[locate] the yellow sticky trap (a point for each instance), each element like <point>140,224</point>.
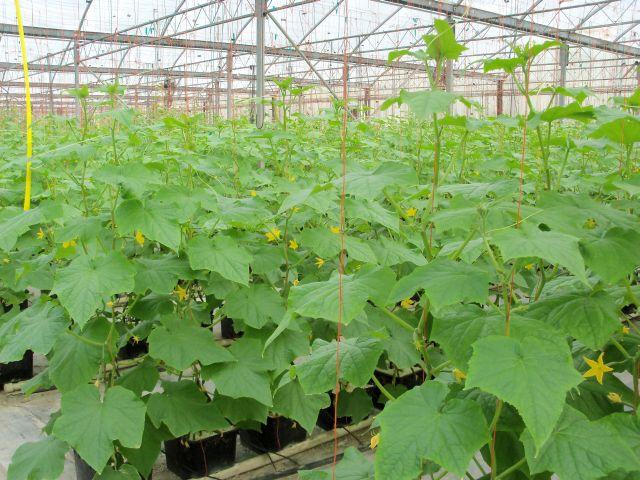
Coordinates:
<point>27,88</point>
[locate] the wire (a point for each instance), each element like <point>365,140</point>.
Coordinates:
<point>25,69</point>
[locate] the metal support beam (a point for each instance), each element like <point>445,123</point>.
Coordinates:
<point>532,28</point>
<point>563,60</point>
<point>260,14</point>
<point>499,96</point>
<point>76,72</point>
<point>230,83</point>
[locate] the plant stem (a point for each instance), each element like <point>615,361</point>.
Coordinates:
<point>383,390</point>
<point>397,319</point>
<point>511,469</point>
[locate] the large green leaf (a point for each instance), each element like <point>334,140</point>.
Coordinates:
<point>590,317</point>
<point>370,185</point>
<point>353,466</point>
<point>425,103</point>
<point>75,361</point>
<point>37,328</point>
<point>160,274</point>
<point>256,305</point>
<point>291,401</point>
<point>444,282</point>
<point>423,424</point>
<point>222,255</point>
<point>553,247</point>
<point>155,220</point>
<point>180,344</point>
<point>580,449</point>
<point>443,45</point>
<point>320,299</point>
<point>532,373</point>
<point>91,423</point>
<point>357,359</point>
<point>87,283</point>
<point>241,379</point>
<point>613,255</point>
<point>183,408</point>
<point>41,460</point>
<point>14,222</point>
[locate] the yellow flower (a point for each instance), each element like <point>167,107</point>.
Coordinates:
<point>319,262</point>
<point>97,383</point>
<point>136,339</point>
<point>597,369</point>
<point>296,209</point>
<point>253,193</point>
<point>139,237</point>
<point>529,266</point>
<point>459,375</point>
<point>69,243</point>
<point>273,235</point>
<point>5,260</point>
<point>590,223</point>
<point>40,234</point>
<point>292,178</point>
<point>407,303</point>
<point>296,282</point>
<point>109,304</point>
<point>335,230</point>
<point>625,329</point>
<point>614,397</point>
<point>181,293</point>
<point>293,245</point>
<point>374,441</point>
<point>411,212</point>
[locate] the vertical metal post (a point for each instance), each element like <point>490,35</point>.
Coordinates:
<point>230,83</point>
<point>499,96</point>
<point>637,67</point>
<point>260,15</point>
<point>367,101</point>
<point>216,89</point>
<point>76,72</point>
<point>51,109</point>
<point>564,62</point>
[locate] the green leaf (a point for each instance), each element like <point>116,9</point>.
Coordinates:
<point>426,103</point>
<point>91,424</point>
<point>87,283</point>
<point>256,305</point>
<point>531,373</point>
<point>37,328</point>
<point>222,255</point>
<point>160,274</point>
<point>443,45</point>
<point>184,409</point>
<point>390,252</point>
<point>423,424</point>
<point>145,457</point>
<point>180,344</point>
<point>578,448</point>
<point>247,376</point>
<point>358,359</point>
<point>614,255</point>
<point>291,401</point>
<point>353,466</point>
<point>555,248</point>
<point>73,361</point>
<point>370,185</point>
<point>372,212</point>
<point>356,404</point>
<point>320,299</point>
<point>444,282</point>
<point>157,221</point>
<point>590,317</point>
<point>14,222</point>
<point>321,241</point>
<point>41,460</point>
<point>142,378</point>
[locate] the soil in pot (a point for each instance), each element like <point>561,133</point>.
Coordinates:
<point>326,415</point>
<point>133,349</point>
<point>275,435</point>
<point>198,458</point>
<point>16,371</point>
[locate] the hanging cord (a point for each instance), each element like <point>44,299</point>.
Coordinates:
<point>27,88</point>
<point>343,157</point>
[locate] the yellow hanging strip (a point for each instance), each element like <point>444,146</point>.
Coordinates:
<point>25,69</point>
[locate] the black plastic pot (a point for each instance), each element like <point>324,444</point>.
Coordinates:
<point>275,435</point>
<point>133,349</point>
<point>83,470</point>
<point>227,330</point>
<point>198,458</point>
<point>16,371</point>
<point>326,416</point>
